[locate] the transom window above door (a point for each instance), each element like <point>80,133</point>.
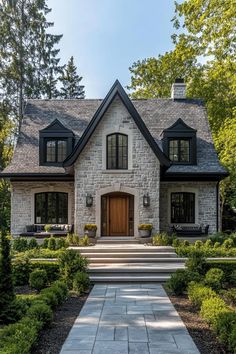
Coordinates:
<point>117,151</point>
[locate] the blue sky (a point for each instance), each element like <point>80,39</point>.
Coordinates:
<point>107,36</point>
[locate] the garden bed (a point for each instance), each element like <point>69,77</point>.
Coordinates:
<point>51,339</point>
<point>199,330</point>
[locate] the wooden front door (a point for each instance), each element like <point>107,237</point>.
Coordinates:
<point>117,215</point>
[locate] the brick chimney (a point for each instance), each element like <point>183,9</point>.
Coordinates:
<point>178,90</point>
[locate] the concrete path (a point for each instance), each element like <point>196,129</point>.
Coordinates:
<point>128,319</point>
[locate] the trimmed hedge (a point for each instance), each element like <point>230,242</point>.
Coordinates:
<point>211,309</point>
<point>197,293</point>
<point>227,266</point>
<point>21,336</point>
<point>179,280</point>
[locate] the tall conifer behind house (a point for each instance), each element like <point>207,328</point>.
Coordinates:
<point>70,80</point>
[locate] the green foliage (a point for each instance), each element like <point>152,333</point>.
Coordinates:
<point>21,269</point>
<point>207,251</point>
<point>176,242</point>
<point>33,243</point>
<point>38,279</point>
<point>227,266</point>
<point>216,244</point>
<point>179,280</point>
<point>230,296</point>
<point>45,243</point>
<point>218,237</point>
<point>40,253</point>
<point>81,282</point>
<point>208,243</point>
<point>48,296</point>
<point>6,283</point>
<point>47,227</point>
<point>196,262</point>
<point>162,239</point>
<point>75,240</point>
<point>20,244</point>
<point>70,262</point>
<point>70,80</point>
<point>40,312</point>
<point>214,278</point>
<point>51,268</point>
<point>186,243</point>
<point>19,337</point>
<point>224,325</point>
<point>197,293</point>
<point>211,308</point>
<point>84,241</point>
<point>227,244</point>
<point>198,244</point>
<point>232,340</point>
<point>61,243</point>
<point>52,243</point>
<point>232,278</point>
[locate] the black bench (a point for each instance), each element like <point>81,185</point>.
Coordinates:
<point>190,230</point>
<point>57,230</point>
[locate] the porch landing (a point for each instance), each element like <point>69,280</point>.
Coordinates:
<point>131,262</point>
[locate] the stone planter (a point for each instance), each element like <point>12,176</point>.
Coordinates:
<point>90,233</point>
<point>144,233</point>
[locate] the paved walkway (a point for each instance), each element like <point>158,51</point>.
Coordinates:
<point>128,319</point>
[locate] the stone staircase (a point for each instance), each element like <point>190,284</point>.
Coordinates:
<point>125,260</point>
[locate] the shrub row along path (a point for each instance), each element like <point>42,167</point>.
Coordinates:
<point>128,319</point>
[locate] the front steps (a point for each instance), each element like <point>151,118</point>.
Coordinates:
<point>128,261</point>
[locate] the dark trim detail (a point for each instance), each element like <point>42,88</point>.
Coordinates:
<point>187,206</point>
<point>217,206</point>
<point>56,210</point>
<point>195,176</point>
<point>37,176</point>
<point>116,89</point>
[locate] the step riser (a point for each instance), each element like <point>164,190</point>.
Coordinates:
<point>128,256</point>
<point>124,251</point>
<point>134,260</point>
<point>95,280</point>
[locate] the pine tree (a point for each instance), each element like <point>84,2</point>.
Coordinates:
<point>27,53</point>
<point>71,82</point>
<point>7,294</point>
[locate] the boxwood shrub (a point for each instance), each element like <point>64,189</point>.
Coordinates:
<point>197,293</point>
<point>211,308</point>
<point>41,312</point>
<point>214,278</point>
<point>38,279</point>
<point>179,280</point>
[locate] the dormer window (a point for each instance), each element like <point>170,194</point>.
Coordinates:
<point>179,150</point>
<point>179,143</point>
<point>55,144</point>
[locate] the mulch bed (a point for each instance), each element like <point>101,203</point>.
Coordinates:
<point>204,338</point>
<point>51,339</point>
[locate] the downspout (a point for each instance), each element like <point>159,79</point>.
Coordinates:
<point>217,206</point>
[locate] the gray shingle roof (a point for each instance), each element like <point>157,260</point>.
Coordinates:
<point>157,114</point>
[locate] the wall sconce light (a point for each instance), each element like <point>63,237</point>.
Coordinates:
<point>89,200</point>
<point>146,200</point>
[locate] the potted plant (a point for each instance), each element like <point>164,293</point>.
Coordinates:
<point>47,228</point>
<point>90,230</point>
<point>145,230</point>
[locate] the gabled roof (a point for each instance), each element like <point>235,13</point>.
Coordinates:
<point>76,115</point>
<point>54,127</point>
<point>116,89</point>
<point>180,126</point>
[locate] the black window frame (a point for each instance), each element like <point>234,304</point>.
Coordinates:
<point>46,207</point>
<point>187,206</point>
<point>179,161</point>
<point>117,152</point>
<point>46,140</point>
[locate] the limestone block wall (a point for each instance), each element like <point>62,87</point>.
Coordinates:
<point>22,202</point>
<point>91,176</point>
<point>205,206</point>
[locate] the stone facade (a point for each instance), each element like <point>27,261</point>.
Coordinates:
<point>142,176</point>
<point>22,202</point>
<point>205,202</point>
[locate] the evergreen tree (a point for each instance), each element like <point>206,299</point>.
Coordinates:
<point>7,294</point>
<point>27,53</point>
<point>71,87</point>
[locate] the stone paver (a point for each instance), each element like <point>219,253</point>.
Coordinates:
<point>128,319</point>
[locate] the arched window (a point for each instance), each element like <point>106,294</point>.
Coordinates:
<point>117,152</point>
<point>182,207</point>
<point>51,208</point>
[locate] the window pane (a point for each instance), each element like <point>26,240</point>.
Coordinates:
<point>173,150</point>
<point>62,208</point>
<point>40,208</point>
<point>117,151</point>
<point>111,151</point>
<point>61,150</point>
<point>184,150</point>
<point>52,208</point>
<point>51,151</point>
<point>182,207</point>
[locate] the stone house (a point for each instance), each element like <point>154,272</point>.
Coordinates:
<point>116,163</point>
